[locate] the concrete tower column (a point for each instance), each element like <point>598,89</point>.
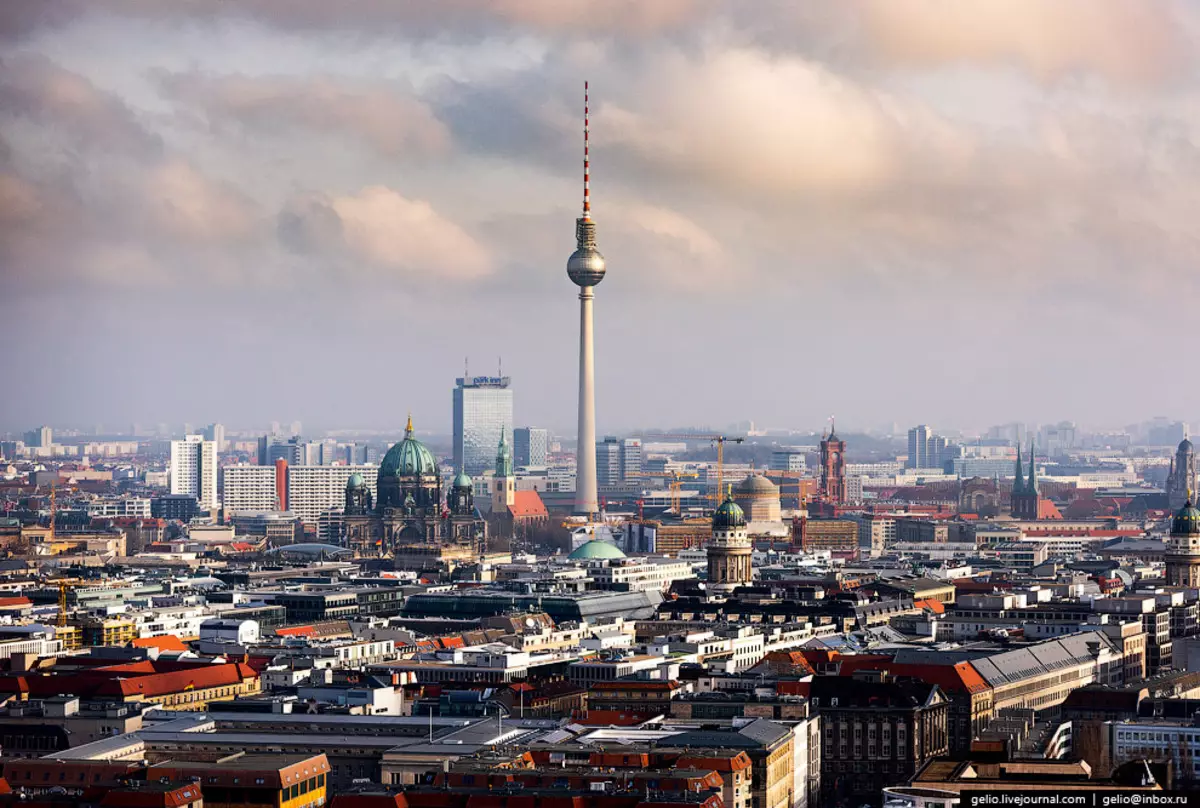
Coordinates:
<point>586,499</point>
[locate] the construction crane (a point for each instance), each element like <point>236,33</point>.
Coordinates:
<point>716,440</point>
<point>674,483</point>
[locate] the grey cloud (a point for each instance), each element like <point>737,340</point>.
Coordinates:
<point>33,87</point>
<point>387,117</point>
<point>445,19</point>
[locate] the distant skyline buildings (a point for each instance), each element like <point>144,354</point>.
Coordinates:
<point>530,445</point>
<point>482,408</point>
<point>193,469</point>
<point>925,449</point>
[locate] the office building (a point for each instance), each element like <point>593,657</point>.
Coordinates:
<point>272,448</point>
<point>216,434</point>
<point>529,446</point>
<point>618,460</point>
<point>249,489</point>
<point>194,469</point>
<point>173,506</point>
<point>483,408</point>
<point>927,450</point>
<point>631,458</point>
<point>793,460</point>
<point>608,462</point>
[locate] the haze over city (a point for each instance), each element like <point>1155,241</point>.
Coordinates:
<point>895,212</point>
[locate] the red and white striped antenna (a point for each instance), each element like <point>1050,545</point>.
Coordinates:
<point>587,190</point>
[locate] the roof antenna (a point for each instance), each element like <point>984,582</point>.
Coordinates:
<point>467,369</point>
<point>500,366</point>
<point>587,190</point>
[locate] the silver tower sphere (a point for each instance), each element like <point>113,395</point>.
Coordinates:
<point>586,265</point>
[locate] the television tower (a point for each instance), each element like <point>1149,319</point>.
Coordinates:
<point>586,268</point>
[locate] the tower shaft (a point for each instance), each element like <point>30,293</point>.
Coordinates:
<point>586,499</point>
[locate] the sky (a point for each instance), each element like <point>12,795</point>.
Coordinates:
<point>954,213</point>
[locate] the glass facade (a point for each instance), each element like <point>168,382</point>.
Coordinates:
<point>529,446</point>
<point>483,405</point>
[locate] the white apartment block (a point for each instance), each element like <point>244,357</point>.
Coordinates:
<point>248,489</point>
<point>312,490</point>
<point>194,469</point>
<point>138,507</point>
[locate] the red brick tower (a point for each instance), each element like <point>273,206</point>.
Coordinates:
<point>833,467</point>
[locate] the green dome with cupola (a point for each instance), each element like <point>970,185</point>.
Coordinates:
<point>408,458</point>
<point>1186,521</point>
<point>729,515</point>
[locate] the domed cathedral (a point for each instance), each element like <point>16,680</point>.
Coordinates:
<point>730,553</point>
<point>410,510</point>
<point>1183,548</point>
<point>759,499</point>
<point>1182,479</point>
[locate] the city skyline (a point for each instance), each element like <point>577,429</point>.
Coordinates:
<point>821,184</point>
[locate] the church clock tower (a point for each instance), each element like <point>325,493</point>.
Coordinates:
<point>504,484</point>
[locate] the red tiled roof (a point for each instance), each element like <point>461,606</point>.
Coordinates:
<point>935,606</point>
<point>527,504</point>
<point>18,602</point>
<point>296,631</point>
<point>163,642</point>
<point>452,642</point>
<point>162,684</point>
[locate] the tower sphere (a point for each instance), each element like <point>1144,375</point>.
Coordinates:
<point>586,266</point>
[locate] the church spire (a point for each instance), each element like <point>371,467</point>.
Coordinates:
<point>1019,474</point>
<point>504,460</point>
<point>1033,485</point>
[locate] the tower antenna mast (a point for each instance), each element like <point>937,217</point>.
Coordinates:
<point>587,189</point>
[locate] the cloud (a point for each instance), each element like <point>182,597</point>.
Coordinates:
<point>186,205</point>
<point>1125,41</point>
<point>383,230</point>
<point>386,116</point>
<point>447,19</point>
<point>35,88</point>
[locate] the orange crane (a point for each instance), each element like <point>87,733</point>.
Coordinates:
<point>718,440</point>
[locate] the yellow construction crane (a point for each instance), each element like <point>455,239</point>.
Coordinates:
<point>674,480</point>
<point>718,440</point>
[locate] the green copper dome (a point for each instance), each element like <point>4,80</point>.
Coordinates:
<point>596,549</point>
<point>356,481</point>
<point>408,458</point>
<point>463,481</point>
<point>729,516</point>
<point>1186,521</point>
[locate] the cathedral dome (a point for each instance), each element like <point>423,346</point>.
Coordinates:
<point>408,458</point>
<point>757,485</point>
<point>596,549</point>
<point>1185,445</point>
<point>729,516</point>
<point>356,481</point>
<point>1186,521</point>
<point>463,481</point>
